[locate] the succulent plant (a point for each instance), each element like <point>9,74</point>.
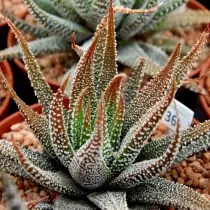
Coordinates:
<point>96,148</point>
<point>60,18</point>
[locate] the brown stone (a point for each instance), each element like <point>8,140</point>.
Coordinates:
<point>207,166</point>
<point>204,182</point>
<point>206,157</point>
<point>196,166</point>
<point>174,173</point>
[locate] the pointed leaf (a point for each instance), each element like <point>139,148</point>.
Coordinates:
<point>59,136</point>
<point>9,160</point>
<point>185,64</point>
<point>88,167</point>
<point>133,84</point>
<point>83,76</point>
<point>168,193</point>
<point>37,122</point>
<point>166,8</point>
<point>195,137</point>
<point>152,92</point>
<point>77,119</point>
<point>75,47</point>
<point>35,31</point>
<point>115,126</point>
<point>111,95</point>
<point>55,24</point>
<point>48,45</point>
<point>186,19</point>
<point>105,67</point>
<point>133,24</point>
<point>56,181</point>
<point>148,169</point>
<point>109,200</point>
<point>42,89</point>
<point>139,134</point>
<point>86,126</point>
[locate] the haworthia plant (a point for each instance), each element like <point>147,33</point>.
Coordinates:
<point>60,18</point>
<point>97,153</point>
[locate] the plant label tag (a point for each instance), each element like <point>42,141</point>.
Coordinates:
<point>170,116</point>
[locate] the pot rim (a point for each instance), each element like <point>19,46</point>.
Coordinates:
<point>15,118</point>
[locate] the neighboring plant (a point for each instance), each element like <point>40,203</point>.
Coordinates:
<point>60,18</point>
<point>97,152</point>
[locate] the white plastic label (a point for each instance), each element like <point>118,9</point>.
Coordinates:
<point>184,113</point>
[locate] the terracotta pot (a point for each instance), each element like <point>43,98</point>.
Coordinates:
<point>203,99</point>
<point>11,41</point>
<point>8,73</point>
<point>193,4</point>
<point>15,118</point>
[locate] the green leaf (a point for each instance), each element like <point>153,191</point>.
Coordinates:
<point>141,171</point>
<point>108,66</point>
<point>109,199</point>
<point>82,7</point>
<point>88,167</point>
<point>42,89</point>
<point>115,125</point>
<point>185,64</point>
<point>36,122</point>
<point>64,7</point>
<point>154,53</point>
<point>57,181</point>
<point>83,76</point>
<point>9,161</point>
<point>77,120</point>
<point>189,18</point>
<point>167,7</point>
<point>59,136</point>
<point>128,53</point>
<point>190,141</point>
<point>152,92</point>
<point>132,24</point>
<point>128,3</point>
<point>26,27</point>
<point>111,94</point>
<point>139,134</point>
<point>55,24</point>
<point>165,192</point>
<point>133,84</point>
<point>47,6</point>
<point>42,46</point>
<point>86,129</point>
